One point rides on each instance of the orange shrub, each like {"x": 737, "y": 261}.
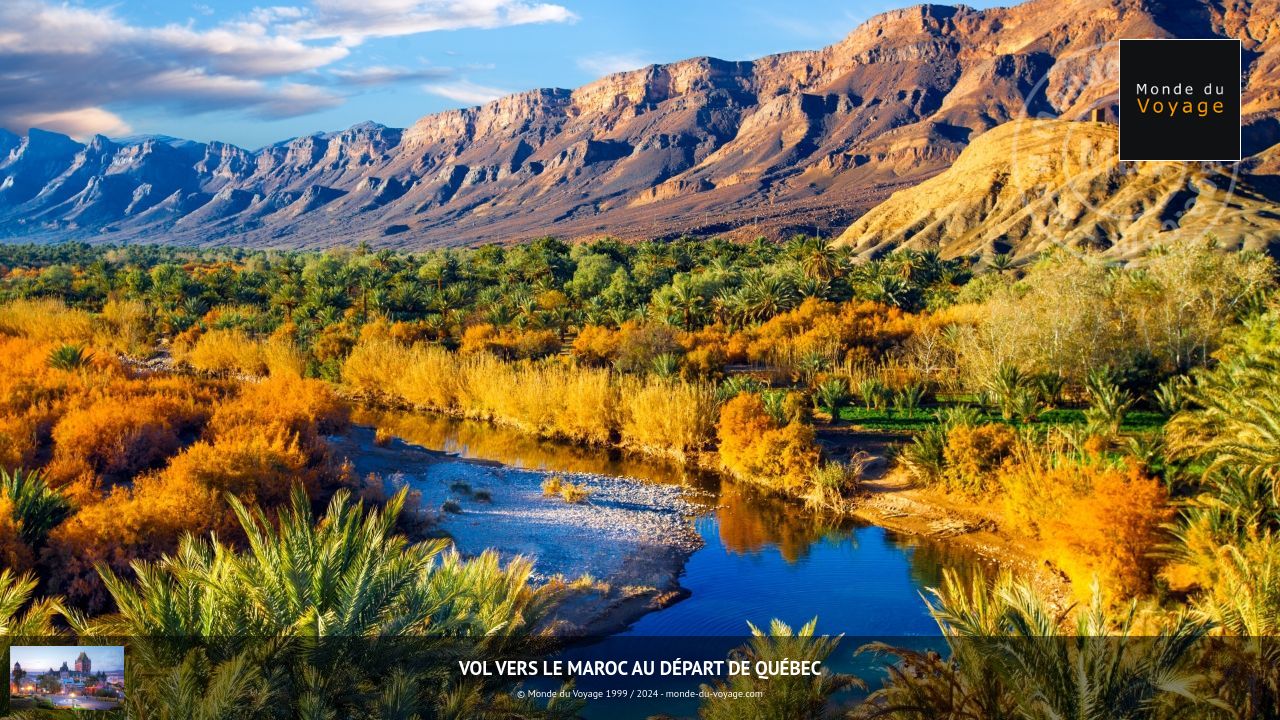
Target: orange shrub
{"x": 481, "y": 337}
{"x": 20, "y": 437}
{"x": 1039, "y": 492}
{"x": 255, "y": 466}
{"x": 14, "y": 553}
{"x": 114, "y": 438}
{"x": 333, "y": 342}
{"x": 595, "y": 346}
{"x": 754, "y": 448}
{"x": 534, "y": 344}
{"x": 852, "y": 331}
{"x": 224, "y": 351}
{"x": 258, "y": 444}
{"x": 129, "y": 524}
{"x": 706, "y": 351}
{"x": 302, "y": 408}
{"x": 1111, "y": 532}
{"x": 509, "y": 343}
{"x": 974, "y": 452}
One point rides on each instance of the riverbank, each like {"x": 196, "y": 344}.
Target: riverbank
{"x": 886, "y": 497}
{"x": 891, "y": 502}
{"x": 619, "y": 553}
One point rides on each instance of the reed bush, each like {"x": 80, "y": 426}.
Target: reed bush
{"x": 224, "y": 351}
{"x": 46, "y": 320}
{"x": 667, "y": 417}
{"x": 544, "y": 398}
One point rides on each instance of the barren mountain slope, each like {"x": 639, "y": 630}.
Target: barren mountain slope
{"x": 797, "y": 141}
{"x": 1032, "y": 184}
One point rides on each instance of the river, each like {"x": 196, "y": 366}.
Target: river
{"x": 761, "y": 558}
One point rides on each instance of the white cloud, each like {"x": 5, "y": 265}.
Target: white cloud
{"x": 66, "y": 62}
{"x": 80, "y": 123}
{"x": 384, "y": 75}
{"x": 609, "y": 63}
{"x": 465, "y": 91}
{"x": 355, "y": 20}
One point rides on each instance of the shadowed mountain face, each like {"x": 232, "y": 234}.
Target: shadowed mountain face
{"x": 801, "y": 141}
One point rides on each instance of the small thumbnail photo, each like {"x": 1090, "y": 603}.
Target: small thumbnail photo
{"x": 51, "y": 677}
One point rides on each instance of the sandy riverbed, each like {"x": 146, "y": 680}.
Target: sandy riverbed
{"x": 632, "y": 537}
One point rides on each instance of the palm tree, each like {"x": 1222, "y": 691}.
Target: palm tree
{"x": 819, "y": 259}
{"x": 1243, "y": 602}
{"x": 1010, "y": 658}
{"x": 766, "y": 295}
{"x": 321, "y": 611}
{"x": 1236, "y": 420}
{"x": 830, "y": 395}
{"x": 20, "y": 615}
{"x": 69, "y": 357}
{"x": 794, "y": 697}
{"x": 1001, "y": 263}
{"x": 1009, "y": 390}
{"x": 37, "y": 507}
{"x": 1108, "y": 402}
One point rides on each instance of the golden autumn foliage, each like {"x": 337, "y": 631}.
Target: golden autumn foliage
{"x": 707, "y": 351}
{"x": 754, "y": 447}
{"x": 509, "y": 343}
{"x": 20, "y": 432}
{"x": 257, "y": 445}
{"x": 232, "y": 351}
{"x": 144, "y": 457}
{"x": 595, "y": 346}
{"x": 846, "y": 332}
{"x": 548, "y": 398}
{"x": 1092, "y": 518}
{"x": 114, "y": 438}
{"x": 141, "y": 522}
{"x": 1111, "y": 532}
{"x": 974, "y": 452}
{"x": 290, "y": 406}
{"x": 14, "y": 553}
{"x": 255, "y": 466}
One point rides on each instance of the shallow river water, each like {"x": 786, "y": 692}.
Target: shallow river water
{"x": 763, "y": 558}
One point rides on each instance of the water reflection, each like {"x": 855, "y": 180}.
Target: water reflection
{"x": 763, "y": 558}
{"x": 482, "y": 441}
{"x": 746, "y": 521}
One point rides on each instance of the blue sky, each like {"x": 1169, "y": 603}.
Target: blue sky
{"x": 36, "y": 658}
{"x": 252, "y": 73}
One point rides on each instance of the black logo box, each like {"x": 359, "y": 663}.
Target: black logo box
{"x": 1185, "y": 63}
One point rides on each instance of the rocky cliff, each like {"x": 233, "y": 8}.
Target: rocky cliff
{"x": 800, "y": 141}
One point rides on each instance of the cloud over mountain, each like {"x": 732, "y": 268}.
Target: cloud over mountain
{"x": 76, "y": 67}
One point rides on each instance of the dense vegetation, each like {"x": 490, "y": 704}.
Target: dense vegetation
{"x": 1118, "y": 422}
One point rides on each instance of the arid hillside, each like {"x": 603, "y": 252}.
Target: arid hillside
{"x": 1032, "y": 184}
{"x": 802, "y": 141}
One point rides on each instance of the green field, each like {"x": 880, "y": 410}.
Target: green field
{"x": 894, "y": 420}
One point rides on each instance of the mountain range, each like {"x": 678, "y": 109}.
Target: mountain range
{"x": 805, "y": 141}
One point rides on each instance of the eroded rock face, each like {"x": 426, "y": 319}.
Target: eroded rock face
{"x": 799, "y": 141}
{"x": 1031, "y": 185}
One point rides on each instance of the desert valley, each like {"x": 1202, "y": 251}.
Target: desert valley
{"x": 873, "y": 360}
